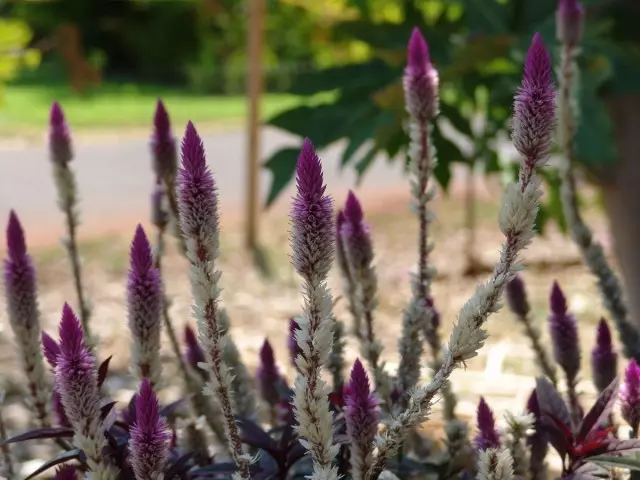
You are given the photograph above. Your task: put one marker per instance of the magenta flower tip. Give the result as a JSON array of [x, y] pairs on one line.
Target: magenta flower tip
[[568, 7], [418, 53], [267, 358], [71, 334], [270, 382], [487, 436], [16, 244], [604, 360], [353, 209], [193, 155], [517, 296], [362, 409], [630, 395], [56, 116], [141, 255], [50, 349], [537, 67], [67, 472], [161, 121], [558, 301], [359, 383], [309, 172]]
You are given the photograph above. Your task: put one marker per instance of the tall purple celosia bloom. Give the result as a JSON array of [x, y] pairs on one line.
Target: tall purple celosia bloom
[[60, 149], [200, 223], [163, 144], [604, 359], [569, 21], [362, 416], [51, 350], [564, 334], [537, 442], [76, 378], [144, 309], [268, 377], [149, 442], [517, 296], [24, 316], [487, 436], [312, 242], [420, 79], [534, 109], [630, 396]]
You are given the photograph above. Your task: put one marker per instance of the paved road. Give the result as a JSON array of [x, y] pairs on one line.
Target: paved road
[[115, 180]]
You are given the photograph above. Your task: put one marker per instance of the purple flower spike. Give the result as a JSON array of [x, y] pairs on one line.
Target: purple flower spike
[[517, 297], [149, 443], [58, 409], [51, 349], [59, 137], [564, 334], [420, 79], [341, 256], [487, 436], [356, 236], [67, 472], [538, 442], [362, 415], [163, 145], [630, 396], [604, 360], [144, 307], [198, 193], [269, 380], [294, 348], [569, 21], [193, 353], [534, 107], [312, 217]]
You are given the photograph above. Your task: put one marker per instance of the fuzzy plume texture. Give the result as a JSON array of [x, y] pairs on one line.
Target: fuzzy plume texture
[[362, 414], [516, 221], [569, 21], [355, 236], [604, 359], [270, 381], [518, 429], [348, 284], [312, 243], [163, 144], [51, 350], [487, 436], [76, 379], [68, 472], [534, 107], [149, 443], [630, 395], [537, 441], [495, 464], [144, 309], [199, 220], [420, 84], [24, 317], [60, 149], [564, 334]]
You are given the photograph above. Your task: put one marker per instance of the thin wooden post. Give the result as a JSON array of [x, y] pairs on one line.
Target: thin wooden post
[[255, 35]]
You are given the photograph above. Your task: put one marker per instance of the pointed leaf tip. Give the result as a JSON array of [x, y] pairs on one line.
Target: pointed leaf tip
[[16, 244]]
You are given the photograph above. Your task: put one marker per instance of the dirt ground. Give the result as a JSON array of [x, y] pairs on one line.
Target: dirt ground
[[259, 307]]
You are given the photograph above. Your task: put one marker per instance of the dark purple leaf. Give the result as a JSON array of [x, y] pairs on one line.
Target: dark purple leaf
[[600, 410], [213, 470], [62, 457], [103, 370], [180, 466], [131, 414], [551, 402], [41, 433], [170, 409], [296, 453], [623, 446], [588, 471], [254, 436], [106, 409], [557, 434], [629, 462]]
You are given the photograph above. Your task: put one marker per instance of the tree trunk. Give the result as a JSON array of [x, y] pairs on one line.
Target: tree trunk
[[621, 189]]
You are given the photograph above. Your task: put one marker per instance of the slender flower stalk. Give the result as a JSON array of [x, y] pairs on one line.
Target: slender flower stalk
[[76, 378], [421, 101], [538, 442], [144, 308], [487, 436], [349, 286], [630, 397], [533, 124], [495, 464], [604, 359], [362, 415], [199, 220], [312, 242], [61, 154], [355, 238], [165, 165], [24, 317], [569, 22], [519, 304], [149, 444], [566, 349]]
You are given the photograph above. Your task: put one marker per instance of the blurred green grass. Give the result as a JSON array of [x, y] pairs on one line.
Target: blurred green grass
[[25, 108]]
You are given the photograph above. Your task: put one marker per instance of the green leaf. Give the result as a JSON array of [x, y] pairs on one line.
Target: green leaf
[[442, 172], [486, 16], [282, 165], [631, 462], [365, 162], [363, 132], [454, 116]]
